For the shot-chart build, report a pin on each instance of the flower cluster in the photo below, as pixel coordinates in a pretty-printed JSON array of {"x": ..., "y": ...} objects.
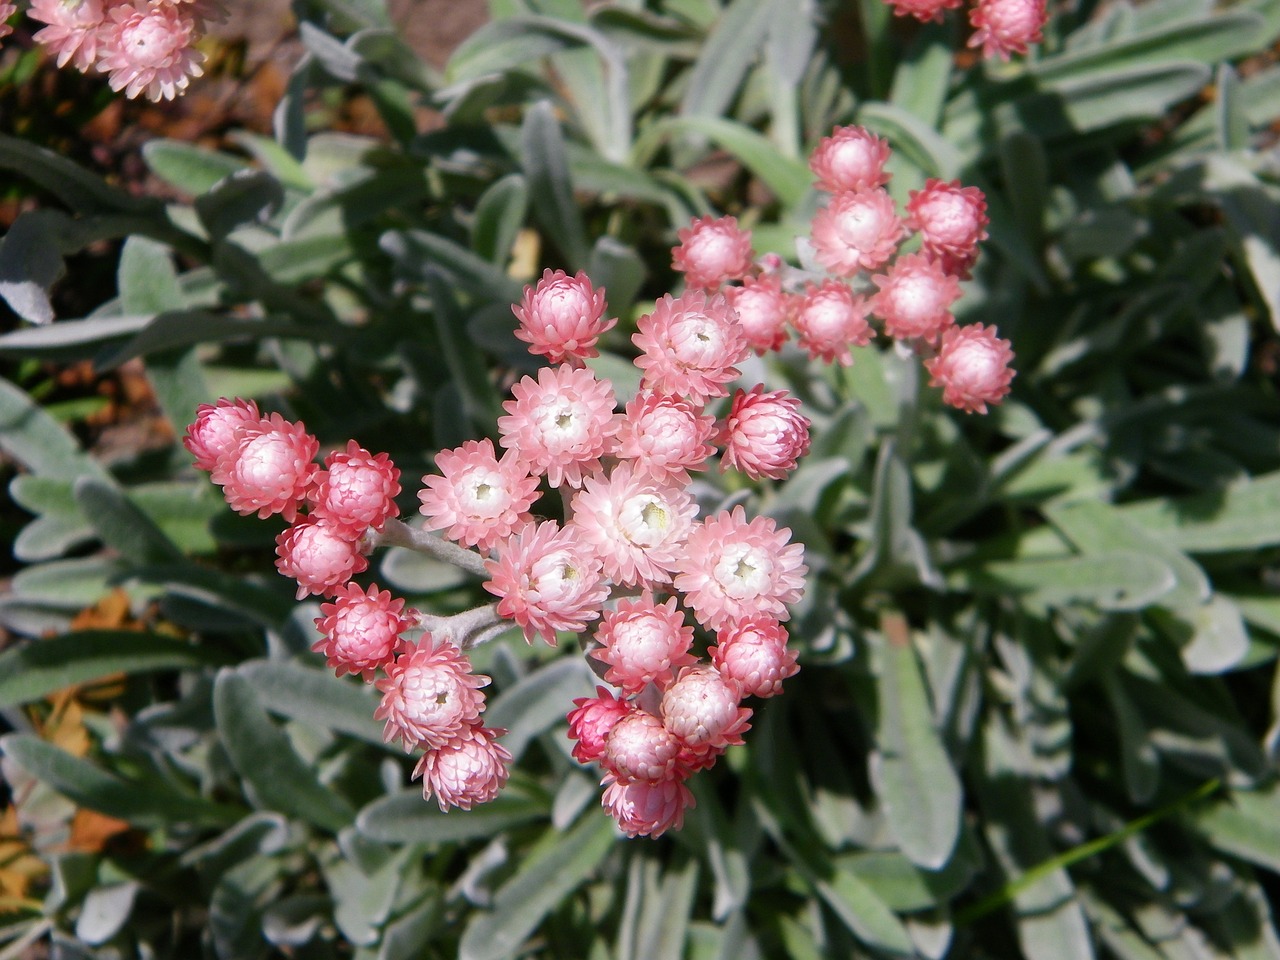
[
  {"x": 1000, "y": 27},
  {"x": 145, "y": 47}
]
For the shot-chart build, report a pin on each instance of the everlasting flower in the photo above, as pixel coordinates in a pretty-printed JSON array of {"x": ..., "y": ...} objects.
[
  {"x": 465, "y": 771},
  {"x": 547, "y": 579},
  {"x": 149, "y": 48},
  {"x": 851, "y": 160},
  {"x": 646, "y": 809},
  {"x": 637, "y": 527},
  {"x": 689, "y": 346},
  {"x": 356, "y": 491},
  {"x": 664, "y": 437},
  {"x": 318, "y": 556},
  {"x": 1004, "y": 27},
  {"x": 561, "y": 424},
  {"x": 857, "y": 231},
  {"x": 952, "y": 221},
  {"x": 639, "y": 747},
  {"x": 922, "y": 10},
  {"x": 213, "y": 432},
  {"x": 477, "y": 499},
  {"x": 703, "y": 709},
  {"x": 429, "y": 695},
  {"x": 269, "y": 468},
  {"x": 734, "y": 569},
  {"x": 712, "y": 252},
  {"x": 562, "y": 317},
  {"x": 643, "y": 642},
  {"x": 361, "y": 630},
  {"x": 915, "y": 297},
  {"x": 763, "y": 309},
  {"x": 972, "y": 367},
  {"x": 590, "y": 721},
  {"x": 72, "y": 31},
  {"x": 753, "y": 653},
  {"x": 831, "y": 320},
  {"x": 765, "y": 433}
]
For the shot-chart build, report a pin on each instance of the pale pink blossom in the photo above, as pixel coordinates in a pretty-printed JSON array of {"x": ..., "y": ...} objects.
[
  {"x": 356, "y": 491},
  {"x": 477, "y": 499},
  {"x": 635, "y": 525},
  {"x": 269, "y": 468},
  {"x": 643, "y": 642},
  {"x": 763, "y": 309},
  {"x": 664, "y": 437},
  {"x": 213, "y": 432},
  {"x": 590, "y": 721},
  {"x": 704, "y": 710},
  {"x": 857, "y": 231},
  {"x": 764, "y": 433},
  {"x": 562, "y": 317},
  {"x": 831, "y": 320},
  {"x": 149, "y": 48},
  {"x": 850, "y": 160},
  {"x": 952, "y": 221},
  {"x": 560, "y": 424},
  {"x": 547, "y": 579},
  {"x": 689, "y": 346},
  {"x": 753, "y": 653},
  {"x": 361, "y": 630},
  {"x": 319, "y": 556},
  {"x": 645, "y": 809},
  {"x": 915, "y": 297},
  {"x": 429, "y": 695},
  {"x": 72, "y": 31},
  {"x": 922, "y": 10},
  {"x": 712, "y": 252},
  {"x": 1004, "y": 27},
  {"x": 734, "y": 569},
  {"x": 7, "y": 10},
  {"x": 972, "y": 367},
  {"x": 467, "y": 770},
  {"x": 639, "y": 747}
]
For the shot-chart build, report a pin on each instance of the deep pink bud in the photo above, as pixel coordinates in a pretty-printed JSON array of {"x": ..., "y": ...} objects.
[{"x": 765, "y": 433}]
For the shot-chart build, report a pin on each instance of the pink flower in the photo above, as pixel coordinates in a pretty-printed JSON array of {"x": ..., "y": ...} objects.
[
  {"x": 664, "y": 437},
  {"x": 562, "y": 317},
  {"x": 591, "y": 720},
  {"x": 269, "y": 469},
  {"x": 547, "y": 579},
  {"x": 149, "y": 48},
  {"x": 763, "y": 309},
  {"x": 712, "y": 252},
  {"x": 689, "y": 346},
  {"x": 922, "y": 10},
  {"x": 7, "y": 10},
  {"x": 636, "y": 526},
  {"x": 561, "y": 424},
  {"x": 915, "y": 298},
  {"x": 734, "y": 569},
  {"x": 1002, "y": 27},
  {"x": 318, "y": 556},
  {"x": 850, "y": 160},
  {"x": 361, "y": 630},
  {"x": 646, "y": 809},
  {"x": 357, "y": 490},
  {"x": 213, "y": 432},
  {"x": 429, "y": 695},
  {"x": 753, "y": 654},
  {"x": 972, "y": 367},
  {"x": 639, "y": 747},
  {"x": 643, "y": 642},
  {"x": 72, "y": 31},
  {"x": 477, "y": 499},
  {"x": 952, "y": 221},
  {"x": 831, "y": 320},
  {"x": 857, "y": 231},
  {"x": 703, "y": 709},
  {"x": 765, "y": 433},
  {"x": 465, "y": 771}
]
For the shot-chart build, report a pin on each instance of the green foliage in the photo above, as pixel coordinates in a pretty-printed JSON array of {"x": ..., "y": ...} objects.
[{"x": 1039, "y": 710}]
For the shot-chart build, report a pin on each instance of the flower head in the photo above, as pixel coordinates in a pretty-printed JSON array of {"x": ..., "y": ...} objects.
[
  {"x": 7, "y": 10},
  {"x": 477, "y": 499},
  {"x": 213, "y": 432},
  {"x": 319, "y": 556},
  {"x": 753, "y": 653},
  {"x": 72, "y": 31},
  {"x": 972, "y": 367},
  {"x": 429, "y": 695},
  {"x": 922, "y": 10},
  {"x": 765, "y": 434},
  {"x": 763, "y": 309},
  {"x": 850, "y": 160},
  {"x": 703, "y": 709},
  {"x": 915, "y": 297},
  {"x": 590, "y": 721},
  {"x": 643, "y": 642},
  {"x": 639, "y": 747},
  {"x": 361, "y": 630},
  {"x": 645, "y": 809},
  {"x": 856, "y": 231},
  {"x": 689, "y": 346},
  {"x": 466, "y": 770},
  {"x": 562, "y": 317},
  {"x": 712, "y": 252},
  {"x": 356, "y": 491},
  {"x": 269, "y": 468},
  {"x": 952, "y": 221},
  {"x": 664, "y": 437},
  {"x": 1004, "y": 27},
  {"x": 831, "y": 320},
  {"x": 149, "y": 48}
]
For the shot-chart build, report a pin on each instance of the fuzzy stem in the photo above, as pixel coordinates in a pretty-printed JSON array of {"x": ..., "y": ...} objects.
[
  {"x": 396, "y": 533},
  {"x": 467, "y": 629}
]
